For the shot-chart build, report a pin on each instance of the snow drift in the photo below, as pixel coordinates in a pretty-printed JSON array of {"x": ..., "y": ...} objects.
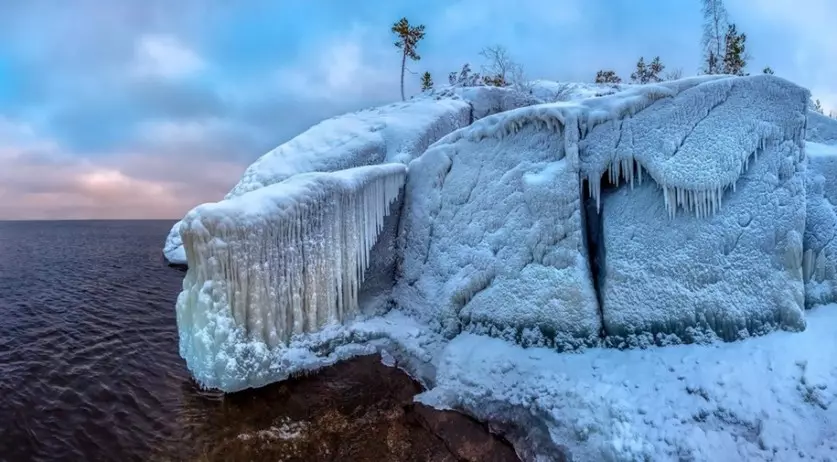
[{"x": 282, "y": 260}]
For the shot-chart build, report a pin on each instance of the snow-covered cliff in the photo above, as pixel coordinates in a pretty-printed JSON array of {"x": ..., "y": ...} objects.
[{"x": 680, "y": 212}]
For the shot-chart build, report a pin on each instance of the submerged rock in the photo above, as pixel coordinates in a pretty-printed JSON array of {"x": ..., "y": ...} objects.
[{"x": 357, "y": 410}]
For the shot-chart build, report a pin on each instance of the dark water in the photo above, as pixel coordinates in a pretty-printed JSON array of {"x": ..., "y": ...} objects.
[{"x": 89, "y": 370}]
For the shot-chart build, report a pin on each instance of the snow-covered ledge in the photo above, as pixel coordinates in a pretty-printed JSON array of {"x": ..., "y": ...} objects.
[{"x": 282, "y": 260}]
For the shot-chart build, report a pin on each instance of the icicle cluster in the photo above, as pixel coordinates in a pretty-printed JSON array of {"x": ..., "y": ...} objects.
[
  {"x": 296, "y": 260},
  {"x": 702, "y": 202}
]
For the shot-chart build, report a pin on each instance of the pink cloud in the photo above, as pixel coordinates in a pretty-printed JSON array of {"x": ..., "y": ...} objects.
[{"x": 39, "y": 180}]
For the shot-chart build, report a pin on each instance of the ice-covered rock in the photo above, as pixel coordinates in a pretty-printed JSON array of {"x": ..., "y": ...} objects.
[
  {"x": 393, "y": 133},
  {"x": 275, "y": 262},
  {"x": 493, "y": 226},
  {"x": 821, "y": 129},
  {"x": 493, "y": 239},
  {"x": 820, "y": 240},
  {"x": 173, "y": 248},
  {"x": 730, "y": 270},
  {"x": 489, "y": 100},
  {"x": 551, "y": 92}
]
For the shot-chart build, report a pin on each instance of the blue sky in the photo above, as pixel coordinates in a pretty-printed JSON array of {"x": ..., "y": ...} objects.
[{"x": 145, "y": 108}]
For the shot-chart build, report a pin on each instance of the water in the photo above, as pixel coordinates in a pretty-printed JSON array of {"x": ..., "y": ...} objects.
[{"x": 89, "y": 369}]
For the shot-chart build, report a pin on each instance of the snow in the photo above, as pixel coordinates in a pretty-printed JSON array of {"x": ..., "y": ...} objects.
[
  {"x": 550, "y": 91},
  {"x": 486, "y": 101},
  {"x": 282, "y": 260},
  {"x": 394, "y": 133},
  {"x": 770, "y": 398}
]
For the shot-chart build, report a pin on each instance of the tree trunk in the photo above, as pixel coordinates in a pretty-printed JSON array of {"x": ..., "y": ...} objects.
[{"x": 403, "y": 64}]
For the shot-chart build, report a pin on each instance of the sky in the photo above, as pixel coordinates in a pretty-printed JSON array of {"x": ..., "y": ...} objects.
[{"x": 137, "y": 109}]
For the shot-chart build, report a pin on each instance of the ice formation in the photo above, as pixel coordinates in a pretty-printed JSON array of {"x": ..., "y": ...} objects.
[
  {"x": 173, "y": 248},
  {"x": 493, "y": 239},
  {"x": 396, "y": 132},
  {"x": 479, "y": 249},
  {"x": 729, "y": 270},
  {"x": 517, "y": 227},
  {"x": 820, "y": 240},
  {"x": 821, "y": 129},
  {"x": 282, "y": 260}
]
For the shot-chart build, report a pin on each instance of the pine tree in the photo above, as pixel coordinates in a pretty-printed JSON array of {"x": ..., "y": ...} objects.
[
  {"x": 715, "y": 26},
  {"x": 608, "y": 76},
  {"x": 408, "y": 39},
  {"x": 654, "y": 70},
  {"x": 735, "y": 53},
  {"x": 767, "y": 70},
  {"x": 647, "y": 73},
  {"x": 639, "y": 75},
  {"x": 426, "y": 82}
]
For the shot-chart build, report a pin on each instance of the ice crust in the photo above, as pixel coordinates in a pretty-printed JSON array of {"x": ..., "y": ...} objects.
[
  {"x": 732, "y": 270},
  {"x": 493, "y": 239},
  {"x": 396, "y": 132},
  {"x": 282, "y": 260},
  {"x": 493, "y": 226},
  {"x": 173, "y": 249},
  {"x": 820, "y": 240}
]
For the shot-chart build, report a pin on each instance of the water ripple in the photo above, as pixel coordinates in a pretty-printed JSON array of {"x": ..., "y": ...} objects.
[{"x": 89, "y": 369}]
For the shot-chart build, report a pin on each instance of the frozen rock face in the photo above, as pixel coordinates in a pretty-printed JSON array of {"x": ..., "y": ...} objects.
[
  {"x": 820, "y": 240},
  {"x": 821, "y": 129},
  {"x": 493, "y": 238},
  {"x": 494, "y": 229},
  {"x": 173, "y": 248},
  {"x": 283, "y": 260},
  {"x": 486, "y": 101},
  {"x": 393, "y": 133},
  {"x": 711, "y": 243}
]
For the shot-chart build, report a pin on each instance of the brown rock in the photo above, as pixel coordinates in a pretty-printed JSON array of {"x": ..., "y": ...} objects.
[{"x": 357, "y": 410}]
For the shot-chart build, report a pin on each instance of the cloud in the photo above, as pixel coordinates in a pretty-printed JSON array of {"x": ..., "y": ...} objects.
[
  {"x": 357, "y": 65},
  {"x": 162, "y": 104},
  {"x": 165, "y": 57},
  {"x": 806, "y": 32},
  {"x": 40, "y": 179}
]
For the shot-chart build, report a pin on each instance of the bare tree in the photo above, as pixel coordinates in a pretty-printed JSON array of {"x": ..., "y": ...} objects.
[
  {"x": 465, "y": 77},
  {"x": 408, "y": 39},
  {"x": 674, "y": 74},
  {"x": 817, "y": 107},
  {"x": 500, "y": 69},
  {"x": 715, "y": 27}
]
